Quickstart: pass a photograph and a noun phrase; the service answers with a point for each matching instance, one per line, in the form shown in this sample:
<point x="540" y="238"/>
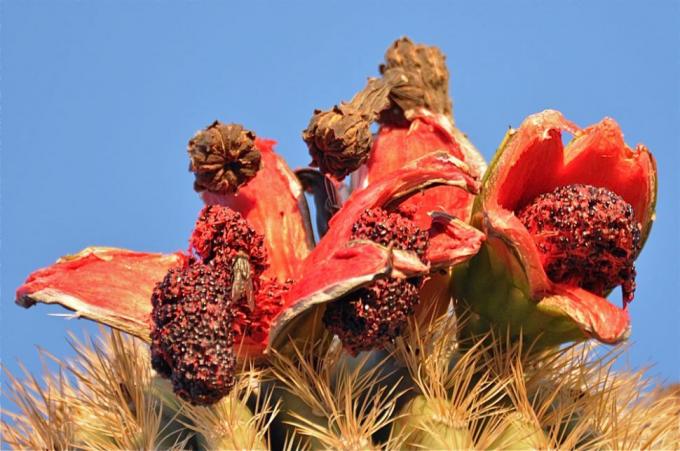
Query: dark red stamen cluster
<point x="587" y="237"/>
<point x="202" y="312"/>
<point x="221" y="234"/>
<point x="374" y="316"/>
<point x="192" y="338"/>
<point x="385" y="228"/>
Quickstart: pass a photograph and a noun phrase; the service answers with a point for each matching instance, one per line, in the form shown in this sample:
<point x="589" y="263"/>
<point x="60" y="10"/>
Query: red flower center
<point x="587" y="237"/>
<point x="374" y="316"/>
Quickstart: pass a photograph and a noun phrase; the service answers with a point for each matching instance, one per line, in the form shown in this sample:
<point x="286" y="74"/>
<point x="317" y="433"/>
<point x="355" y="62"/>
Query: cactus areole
<point x="563" y="225"/>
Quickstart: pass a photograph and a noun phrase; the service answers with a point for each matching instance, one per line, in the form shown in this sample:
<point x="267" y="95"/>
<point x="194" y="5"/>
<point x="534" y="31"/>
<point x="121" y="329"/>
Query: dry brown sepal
<point x="418" y="78"/>
<point x="414" y="77"/>
<point x="340" y="139"/>
<point x="344" y="404"/>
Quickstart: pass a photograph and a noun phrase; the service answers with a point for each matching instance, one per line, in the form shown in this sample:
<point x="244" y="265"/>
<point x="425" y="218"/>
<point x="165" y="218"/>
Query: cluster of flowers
<point x="530" y="245"/>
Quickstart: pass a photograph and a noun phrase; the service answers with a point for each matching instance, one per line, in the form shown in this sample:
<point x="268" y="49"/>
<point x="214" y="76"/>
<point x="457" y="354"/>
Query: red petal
<point x="598" y="156"/>
<point x="452" y="241"/>
<point x="273" y="202"/>
<point x="437" y="168"/>
<point x="596" y="317"/>
<point x="533" y="161"/>
<point x="396" y="146"/>
<point x="108" y="285"/>
<point x="345" y="270"/>
<point x="530" y="161"/>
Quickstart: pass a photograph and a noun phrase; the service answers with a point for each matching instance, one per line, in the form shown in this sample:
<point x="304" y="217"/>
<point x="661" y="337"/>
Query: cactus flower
<point x="371" y="311"/>
<point x="203" y="308"/>
<point x="564" y="226"/>
<point x="413" y="110"/>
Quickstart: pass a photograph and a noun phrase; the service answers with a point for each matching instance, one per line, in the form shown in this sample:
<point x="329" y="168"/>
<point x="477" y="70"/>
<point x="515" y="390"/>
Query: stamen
<point x="192" y="339"/>
<point x="374" y="316"/>
<point x="587" y="236"/>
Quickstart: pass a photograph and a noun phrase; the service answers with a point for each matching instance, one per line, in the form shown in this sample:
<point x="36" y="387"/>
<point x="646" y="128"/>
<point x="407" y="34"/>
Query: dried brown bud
<point x="339" y="140"/>
<point x="414" y="76"/>
<point x="418" y="77"/>
<point x="223" y="157"/>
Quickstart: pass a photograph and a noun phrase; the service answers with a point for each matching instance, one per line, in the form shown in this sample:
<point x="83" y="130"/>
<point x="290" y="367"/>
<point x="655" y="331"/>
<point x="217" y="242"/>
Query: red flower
<point x="563" y="226"/>
<point x="411" y="104"/>
<point x="446" y="241"/>
<point x="397" y="144"/>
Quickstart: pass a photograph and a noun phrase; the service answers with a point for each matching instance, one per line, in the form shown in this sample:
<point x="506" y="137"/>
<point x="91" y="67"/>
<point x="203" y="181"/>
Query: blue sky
<point x="100" y="98"/>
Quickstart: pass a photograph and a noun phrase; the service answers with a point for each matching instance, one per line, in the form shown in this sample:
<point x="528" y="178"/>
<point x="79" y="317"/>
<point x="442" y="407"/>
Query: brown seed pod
<point x="223" y="157"/>
<point x="340" y="139"/>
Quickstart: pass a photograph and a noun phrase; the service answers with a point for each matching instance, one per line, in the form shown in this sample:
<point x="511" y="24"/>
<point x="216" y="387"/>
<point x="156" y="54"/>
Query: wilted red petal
<point x="108" y="285"/>
<point x="596" y="317"/>
<point x="344" y="270"/>
<point x="273" y="202"/>
<point x="396" y="146"/>
<point x="530" y="160"/>
<point x="599" y="156"/>
<point x="437" y="168"/>
<point x="452" y="241"/>
<point x="534" y="162"/>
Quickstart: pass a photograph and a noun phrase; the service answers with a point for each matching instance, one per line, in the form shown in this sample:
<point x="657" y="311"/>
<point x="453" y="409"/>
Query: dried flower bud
<point x="192" y="338"/>
<point x="418" y="78"/>
<point x="223" y="157"/>
<point x="339" y="140"/>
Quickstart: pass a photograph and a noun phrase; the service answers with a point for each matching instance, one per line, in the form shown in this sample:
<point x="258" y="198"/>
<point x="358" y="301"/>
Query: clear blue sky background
<point x="100" y="98"/>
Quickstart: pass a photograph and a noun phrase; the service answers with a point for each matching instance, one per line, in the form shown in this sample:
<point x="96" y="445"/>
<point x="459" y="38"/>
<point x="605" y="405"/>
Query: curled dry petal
<point x="327" y="196"/>
<point x="532" y="161"/>
<point x="274" y="204"/>
<point x="108" y="285"/>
